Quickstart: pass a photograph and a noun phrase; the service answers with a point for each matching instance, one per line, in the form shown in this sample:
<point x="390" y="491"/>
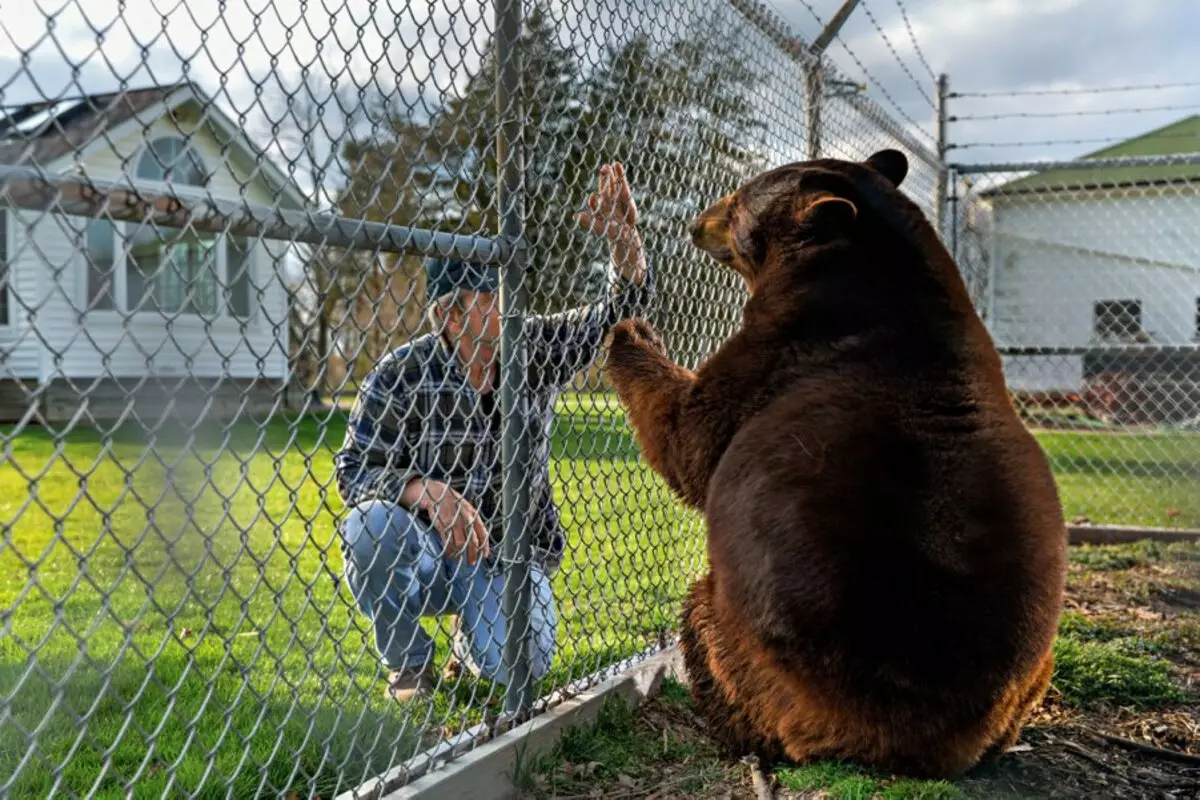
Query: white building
<point x="97" y="316"/>
<point x="1081" y="259"/>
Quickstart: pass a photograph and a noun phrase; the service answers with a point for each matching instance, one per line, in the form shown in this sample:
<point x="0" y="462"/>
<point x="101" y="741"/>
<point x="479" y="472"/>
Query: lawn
<point x="206" y="647"/>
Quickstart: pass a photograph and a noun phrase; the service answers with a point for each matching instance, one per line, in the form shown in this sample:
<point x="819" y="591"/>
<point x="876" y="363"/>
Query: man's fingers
<point x="481" y="536"/>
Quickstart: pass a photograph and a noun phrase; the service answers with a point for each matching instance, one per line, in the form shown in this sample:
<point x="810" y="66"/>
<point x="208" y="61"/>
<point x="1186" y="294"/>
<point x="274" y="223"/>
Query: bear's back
<point x="887" y="523"/>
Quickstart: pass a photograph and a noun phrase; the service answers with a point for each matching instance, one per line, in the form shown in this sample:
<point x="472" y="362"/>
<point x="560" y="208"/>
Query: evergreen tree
<point x="550" y="105"/>
<point x="683" y="120"/>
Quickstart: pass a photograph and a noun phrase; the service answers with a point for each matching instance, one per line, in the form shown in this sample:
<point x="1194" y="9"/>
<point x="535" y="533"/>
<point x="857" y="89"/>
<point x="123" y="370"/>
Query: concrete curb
<point x="1115" y="534"/>
<point x="485" y="773"/>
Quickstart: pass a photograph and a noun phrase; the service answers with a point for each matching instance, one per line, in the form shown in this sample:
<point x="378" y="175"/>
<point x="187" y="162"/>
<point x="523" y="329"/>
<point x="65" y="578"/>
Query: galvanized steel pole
<point x="943" y="171"/>
<point x="516" y="547"/>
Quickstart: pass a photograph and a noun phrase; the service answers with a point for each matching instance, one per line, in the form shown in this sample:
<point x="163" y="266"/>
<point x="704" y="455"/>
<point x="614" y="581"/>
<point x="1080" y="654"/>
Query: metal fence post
<point x="813" y="87"/>
<point x="516" y="549"/>
<point x="943" y="172"/>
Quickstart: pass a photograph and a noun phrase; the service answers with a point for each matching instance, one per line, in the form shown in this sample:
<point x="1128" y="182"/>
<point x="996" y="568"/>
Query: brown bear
<point x="886" y="543"/>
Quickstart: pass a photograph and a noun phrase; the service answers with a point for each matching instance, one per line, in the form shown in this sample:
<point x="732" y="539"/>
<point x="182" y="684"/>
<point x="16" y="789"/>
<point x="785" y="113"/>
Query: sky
<point x="52" y="47"/>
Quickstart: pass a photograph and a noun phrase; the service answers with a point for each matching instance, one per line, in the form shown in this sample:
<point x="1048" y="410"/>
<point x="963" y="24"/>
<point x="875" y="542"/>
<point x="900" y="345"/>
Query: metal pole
<point x="813" y="89"/>
<point x="515" y="549"/>
<point x="954" y="219"/>
<point x="814" y="79"/>
<point x="34" y="189"/>
<point x="943" y="172"/>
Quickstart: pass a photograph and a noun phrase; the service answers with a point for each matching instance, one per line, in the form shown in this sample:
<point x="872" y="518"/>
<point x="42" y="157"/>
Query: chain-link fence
<point x="1087" y="273"/>
<point x="247" y="423"/>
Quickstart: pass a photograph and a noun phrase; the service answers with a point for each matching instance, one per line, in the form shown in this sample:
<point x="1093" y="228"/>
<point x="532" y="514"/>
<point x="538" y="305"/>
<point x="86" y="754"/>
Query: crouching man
<point x="419" y="470"/>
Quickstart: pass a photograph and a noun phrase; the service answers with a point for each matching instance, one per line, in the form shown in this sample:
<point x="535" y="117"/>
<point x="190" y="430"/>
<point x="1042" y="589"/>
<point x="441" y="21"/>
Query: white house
<point x="1084" y="258"/>
<point x="100" y="317"/>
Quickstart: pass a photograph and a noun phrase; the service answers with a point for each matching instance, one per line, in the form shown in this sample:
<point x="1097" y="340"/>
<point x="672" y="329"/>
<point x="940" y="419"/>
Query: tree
<point x="551" y="106"/>
<point x="683" y="119"/>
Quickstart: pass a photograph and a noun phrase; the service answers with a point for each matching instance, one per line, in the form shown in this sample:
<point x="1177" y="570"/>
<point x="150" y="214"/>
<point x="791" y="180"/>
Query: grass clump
<point x="842" y="781"/>
<point x="1089" y="672"/>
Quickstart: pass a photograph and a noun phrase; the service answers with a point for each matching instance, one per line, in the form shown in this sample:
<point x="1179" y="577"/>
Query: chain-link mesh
<point x="1087" y="273"/>
<point x="278" y="516"/>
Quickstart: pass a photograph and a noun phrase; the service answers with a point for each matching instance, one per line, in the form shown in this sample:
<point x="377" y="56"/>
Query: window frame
<point x="123" y="232"/>
<point x="1123" y="303"/>
<point x="8" y="229"/>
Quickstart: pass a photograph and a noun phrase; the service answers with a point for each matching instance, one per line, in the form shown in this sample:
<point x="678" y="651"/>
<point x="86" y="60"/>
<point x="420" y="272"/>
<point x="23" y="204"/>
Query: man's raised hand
<point x="612" y="213"/>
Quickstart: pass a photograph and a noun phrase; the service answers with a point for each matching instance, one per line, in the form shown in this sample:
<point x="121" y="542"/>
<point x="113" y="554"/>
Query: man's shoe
<point x="406" y="685"/>
<point x="460" y="650"/>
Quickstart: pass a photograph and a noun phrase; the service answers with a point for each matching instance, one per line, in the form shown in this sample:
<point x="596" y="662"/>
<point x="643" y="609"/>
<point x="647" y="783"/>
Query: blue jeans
<point x="397" y="570"/>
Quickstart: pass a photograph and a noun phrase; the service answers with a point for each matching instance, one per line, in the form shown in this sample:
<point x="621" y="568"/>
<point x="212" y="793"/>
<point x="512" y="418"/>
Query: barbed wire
<point x="888" y="42"/>
<point x="1055" y="142"/>
<point x="1079" y="113"/>
<point x="916" y="47"/>
<point x="917" y="127"/>
<point x="1076" y="91"/>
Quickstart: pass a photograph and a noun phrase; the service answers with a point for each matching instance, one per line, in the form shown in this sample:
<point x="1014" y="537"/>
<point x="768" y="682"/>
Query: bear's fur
<point x="885" y="538"/>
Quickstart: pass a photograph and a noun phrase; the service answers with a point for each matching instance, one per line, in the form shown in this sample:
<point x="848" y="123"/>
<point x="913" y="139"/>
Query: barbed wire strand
<point x="888" y="43"/>
<point x="1076" y="91"/>
<point x="1106" y="112"/>
<point x="916" y="47"/>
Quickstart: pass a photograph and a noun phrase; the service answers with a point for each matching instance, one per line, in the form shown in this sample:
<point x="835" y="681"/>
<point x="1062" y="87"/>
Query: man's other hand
<point x="612" y="213"/>
<point x="455" y="520"/>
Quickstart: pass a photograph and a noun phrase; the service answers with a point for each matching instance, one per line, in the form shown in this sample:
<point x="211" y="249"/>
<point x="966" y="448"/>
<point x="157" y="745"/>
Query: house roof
<point x="1182" y="136"/>
<point x="47" y="132"/>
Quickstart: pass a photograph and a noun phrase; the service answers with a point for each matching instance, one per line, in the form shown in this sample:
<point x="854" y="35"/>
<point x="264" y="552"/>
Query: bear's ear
<point x="826" y="212"/>
<point x="891" y="164"/>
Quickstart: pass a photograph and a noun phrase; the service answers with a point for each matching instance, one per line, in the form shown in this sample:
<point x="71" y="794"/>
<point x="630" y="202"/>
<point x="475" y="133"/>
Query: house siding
<point x="52" y="277"/>
<point x="1056" y="258"/>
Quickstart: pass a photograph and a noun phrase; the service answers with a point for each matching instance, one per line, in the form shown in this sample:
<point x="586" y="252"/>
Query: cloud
<point x="423" y="52"/>
<point x="1015" y="45"/>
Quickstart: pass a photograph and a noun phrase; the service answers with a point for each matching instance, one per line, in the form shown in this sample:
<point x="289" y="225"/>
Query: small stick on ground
<point x="762" y="785"/>
<point x="1149" y="749"/>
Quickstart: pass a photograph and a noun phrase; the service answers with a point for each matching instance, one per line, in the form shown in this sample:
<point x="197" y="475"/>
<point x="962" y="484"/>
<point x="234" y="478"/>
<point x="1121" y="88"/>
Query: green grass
<point x="1127" y="478"/>
<point x="212" y="644"/>
<point x="1106" y="558"/>
<point x="209" y="646"/>
<point x="1097" y="663"/>
<point x="848" y="782"/>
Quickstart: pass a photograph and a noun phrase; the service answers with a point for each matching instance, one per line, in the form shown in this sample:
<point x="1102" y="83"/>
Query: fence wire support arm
<point x="515" y="452"/>
<point x="32" y="189"/>
<point x="821" y="43"/>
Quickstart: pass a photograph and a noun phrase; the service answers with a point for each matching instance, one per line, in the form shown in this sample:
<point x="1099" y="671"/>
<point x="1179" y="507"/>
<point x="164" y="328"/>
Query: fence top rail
<point x="33" y="189"/>
<point x="1174" y="159"/>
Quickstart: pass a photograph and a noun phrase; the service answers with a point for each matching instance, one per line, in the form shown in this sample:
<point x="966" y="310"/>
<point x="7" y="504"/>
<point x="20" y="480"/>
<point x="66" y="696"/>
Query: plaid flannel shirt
<point x="416" y="415"/>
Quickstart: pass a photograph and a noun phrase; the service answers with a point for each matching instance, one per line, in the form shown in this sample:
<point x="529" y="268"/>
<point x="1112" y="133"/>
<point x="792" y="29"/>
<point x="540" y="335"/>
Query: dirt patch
<point x="1121" y="721"/>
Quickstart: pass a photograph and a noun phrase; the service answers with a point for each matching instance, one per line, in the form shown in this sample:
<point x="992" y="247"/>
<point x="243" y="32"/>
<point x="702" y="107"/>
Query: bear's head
<point x="795" y="206"/>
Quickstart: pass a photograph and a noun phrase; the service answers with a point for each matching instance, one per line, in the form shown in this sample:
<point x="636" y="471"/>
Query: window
<point x="1198" y="318"/>
<point x="1118" y="319"/>
<point x="171" y="271"/>
<point x="167" y="271"/>
<point x="4" y="273"/>
<point x="100" y="259"/>
<point x="238" y="285"/>
<point x="169" y="158"/>
<point x="144" y="268"/>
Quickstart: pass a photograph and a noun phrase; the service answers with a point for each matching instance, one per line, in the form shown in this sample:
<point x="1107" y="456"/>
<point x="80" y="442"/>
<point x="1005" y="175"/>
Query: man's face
<point x="479" y="325"/>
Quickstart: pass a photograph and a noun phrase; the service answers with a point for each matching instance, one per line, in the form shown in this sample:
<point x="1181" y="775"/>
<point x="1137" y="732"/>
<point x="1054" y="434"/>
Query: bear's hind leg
<point x="732" y="730"/>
